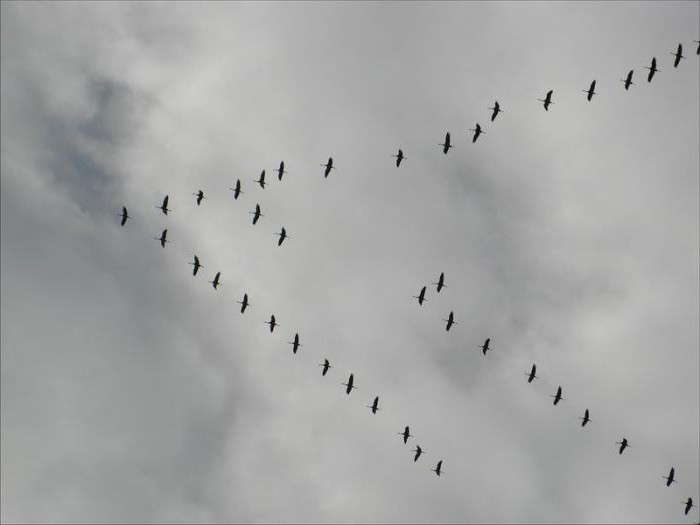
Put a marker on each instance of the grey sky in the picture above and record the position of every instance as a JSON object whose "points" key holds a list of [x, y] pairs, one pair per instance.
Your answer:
{"points": [[134, 392]]}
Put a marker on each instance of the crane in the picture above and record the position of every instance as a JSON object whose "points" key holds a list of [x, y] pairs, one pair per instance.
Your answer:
{"points": [[283, 235], [450, 321], [256, 214], [162, 238], [280, 171], [496, 110], [688, 505], [669, 479], [628, 81], [349, 384], [272, 323], [485, 346], [405, 435], [374, 406], [200, 196], [441, 282], [446, 144], [399, 157], [586, 418], [421, 296], [623, 444], [326, 365], [244, 303], [164, 207], [328, 166], [557, 397], [438, 468], [590, 91], [124, 215], [196, 265], [295, 344], [237, 190], [547, 100], [531, 374], [477, 131], [651, 69], [215, 282], [678, 54], [418, 452], [261, 180]]}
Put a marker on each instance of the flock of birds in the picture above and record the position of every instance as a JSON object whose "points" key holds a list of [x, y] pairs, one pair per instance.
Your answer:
{"points": [[440, 283]]}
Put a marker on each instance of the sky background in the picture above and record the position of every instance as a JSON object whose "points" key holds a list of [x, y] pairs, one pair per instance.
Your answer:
{"points": [[135, 392]]}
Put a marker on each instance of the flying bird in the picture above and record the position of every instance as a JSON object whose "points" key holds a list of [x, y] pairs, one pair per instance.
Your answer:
{"points": [[418, 452], [237, 190], [441, 282], [421, 296], [164, 207], [628, 81], [477, 131], [531, 374], [244, 303], [328, 166], [586, 418], [669, 479], [261, 180], [688, 505], [162, 238], [326, 365], [283, 235], [557, 397], [651, 69], [295, 344], [485, 346], [215, 282], [200, 196], [196, 265], [698, 50], [547, 100], [450, 321], [590, 91], [496, 110], [349, 384], [375, 405], [124, 215], [280, 171], [623, 444], [256, 214], [272, 323], [438, 468], [399, 157], [405, 435], [678, 54], [446, 144]]}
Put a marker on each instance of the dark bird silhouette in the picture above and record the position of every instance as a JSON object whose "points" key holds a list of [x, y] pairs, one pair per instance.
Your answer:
{"points": [[477, 131], [688, 505], [421, 296], [283, 235], [669, 479], [349, 384], [438, 468], [326, 365], [623, 444], [215, 282], [450, 321], [200, 196], [586, 418], [162, 238], [697, 52], [256, 214], [244, 303], [496, 110], [441, 282], [446, 144], [531, 374], [280, 171], [196, 265], [374, 406], [328, 166], [485, 346], [237, 190], [295, 344], [164, 207], [590, 91], [678, 54], [418, 452], [628, 81], [261, 180], [651, 69], [399, 157], [124, 215], [405, 435], [547, 100], [557, 397], [272, 323]]}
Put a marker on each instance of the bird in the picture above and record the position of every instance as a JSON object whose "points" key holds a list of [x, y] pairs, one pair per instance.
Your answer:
{"points": [[623, 444], [326, 365], [438, 468], [349, 384], [256, 214], [261, 180], [164, 207], [590, 91], [485, 346], [669, 479], [272, 323], [496, 110], [450, 321], [200, 196], [418, 452], [244, 303], [477, 131], [531, 374], [688, 505], [651, 69], [283, 235], [215, 282], [698, 50], [237, 190], [162, 238], [421, 296], [405, 435], [678, 54], [328, 166], [557, 397], [280, 171], [446, 144], [547, 100], [399, 157], [441, 282], [586, 418], [375, 405], [628, 81], [196, 265], [295, 344], [124, 215]]}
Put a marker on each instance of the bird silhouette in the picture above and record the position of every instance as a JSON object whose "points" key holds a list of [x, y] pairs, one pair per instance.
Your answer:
{"points": [[328, 166], [295, 344], [531, 374], [669, 479], [547, 100], [237, 190], [678, 54], [164, 207], [623, 444], [651, 69], [477, 131], [196, 265], [162, 238], [586, 418], [256, 214], [441, 282], [688, 505], [628, 81], [374, 406], [590, 91], [272, 322], [421, 296], [438, 468], [124, 215], [405, 435], [326, 365], [261, 180], [399, 157], [485, 346], [215, 282], [446, 144], [283, 235], [418, 452], [496, 110], [349, 384], [450, 321], [557, 397], [280, 171], [200, 196], [244, 303]]}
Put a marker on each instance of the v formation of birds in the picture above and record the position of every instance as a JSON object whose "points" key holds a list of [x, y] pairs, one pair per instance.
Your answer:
{"points": [[440, 283]]}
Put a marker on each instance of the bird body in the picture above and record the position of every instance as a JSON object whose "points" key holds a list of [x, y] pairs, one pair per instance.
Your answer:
{"points": [[163, 238], [164, 207], [441, 282], [196, 265], [628, 81], [375, 405], [349, 384], [669, 479], [438, 468], [586, 418], [547, 99], [283, 235], [405, 435], [124, 215], [256, 214], [651, 69], [477, 131], [280, 171], [421, 296], [237, 190], [557, 397], [244, 303], [326, 365], [496, 110], [399, 157], [272, 322], [623, 444], [446, 145], [688, 505], [261, 180], [590, 91], [485, 346], [295, 344], [678, 54], [418, 452], [328, 166], [531, 375], [200, 196], [215, 282], [450, 321]]}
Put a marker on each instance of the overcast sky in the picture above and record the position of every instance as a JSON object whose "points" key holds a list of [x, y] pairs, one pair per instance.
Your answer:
{"points": [[135, 392]]}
